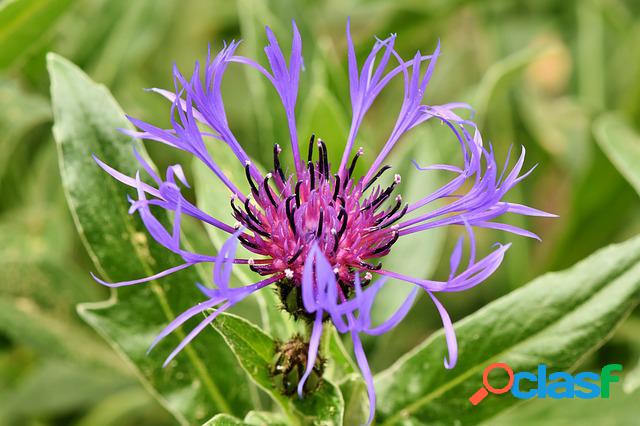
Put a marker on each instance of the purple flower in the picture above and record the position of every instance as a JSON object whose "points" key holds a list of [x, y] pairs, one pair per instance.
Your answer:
{"points": [[320, 229]]}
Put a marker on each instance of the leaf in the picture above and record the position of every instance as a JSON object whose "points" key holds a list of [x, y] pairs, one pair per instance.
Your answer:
{"points": [[23, 23], [205, 378], [356, 400], [256, 351], [619, 410], [632, 379], [253, 418], [224, 420], [621, 144], [339, 362], [556, 319], [261, 418]]}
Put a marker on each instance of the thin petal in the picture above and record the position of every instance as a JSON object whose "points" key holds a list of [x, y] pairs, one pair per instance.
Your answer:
{"points": [[449, 333]]}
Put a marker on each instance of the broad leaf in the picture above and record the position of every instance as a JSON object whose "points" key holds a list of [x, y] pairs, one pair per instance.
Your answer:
{"points": [[621, 144], [205, 378], [556, 319], [256, 352], [356, 400], [253, 418], [225, 420], [619, 410]]}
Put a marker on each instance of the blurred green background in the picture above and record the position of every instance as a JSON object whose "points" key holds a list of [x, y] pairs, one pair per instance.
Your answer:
{"points": [[540, 74]]}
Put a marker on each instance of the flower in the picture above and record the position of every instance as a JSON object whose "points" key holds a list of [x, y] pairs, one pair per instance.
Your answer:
{"points": [[316, 231]]}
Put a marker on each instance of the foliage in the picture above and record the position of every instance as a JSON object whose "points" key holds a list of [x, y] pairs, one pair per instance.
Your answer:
{"points": [[562, 79]]}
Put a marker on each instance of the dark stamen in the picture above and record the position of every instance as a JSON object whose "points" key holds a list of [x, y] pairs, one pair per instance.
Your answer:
{"points": [[377, 175], [343, 226], [267, 189], [258, 230], [246, 242], [352, 167], [295, 256], [276, 161], [238, 213], [390, 212], [312, 176], [310, 152], [370, 266], [337, 186], [261, 269], [253, 217], [320, 222], [397, 218], [292, 222], [254, 189], [323, 161], [382, 197], [336, 239], [298, 193], [388, 245]]}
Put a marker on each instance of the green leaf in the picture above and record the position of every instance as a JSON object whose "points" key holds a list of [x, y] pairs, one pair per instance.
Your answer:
{"points": [[632, 379], [621, 144], [556, 319], [23, 23], [256, 352], [356, 400], [261, 418], [224, 420], [253, 418], [205, 378], [619, 410], [339, 362]]}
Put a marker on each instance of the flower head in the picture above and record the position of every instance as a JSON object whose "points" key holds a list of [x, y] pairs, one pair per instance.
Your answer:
{"points": [[323, 231]]}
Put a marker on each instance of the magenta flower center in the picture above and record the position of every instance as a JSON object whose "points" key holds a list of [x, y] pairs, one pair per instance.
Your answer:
{"points": [[347, 219]]}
